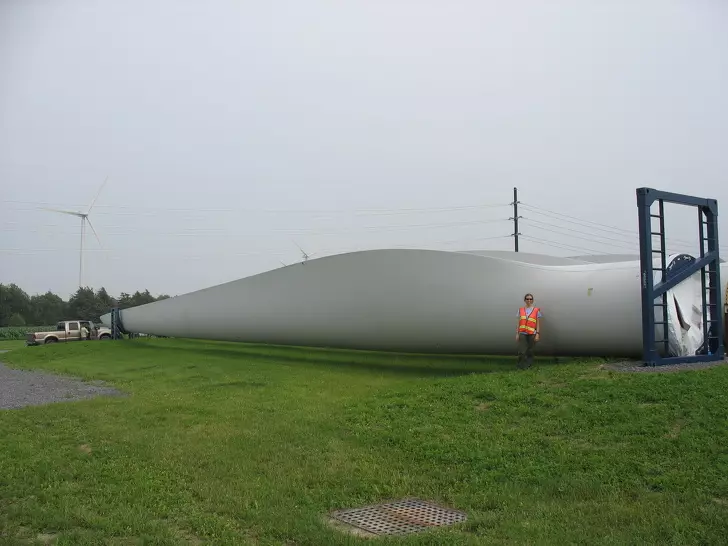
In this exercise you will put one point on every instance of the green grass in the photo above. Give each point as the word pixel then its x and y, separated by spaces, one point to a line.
pixel 227 443
pixel 10 345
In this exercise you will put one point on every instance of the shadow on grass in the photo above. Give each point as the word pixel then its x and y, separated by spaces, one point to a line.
pixel 366 361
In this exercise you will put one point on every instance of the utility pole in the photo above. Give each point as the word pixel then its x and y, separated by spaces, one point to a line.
pixel 515 217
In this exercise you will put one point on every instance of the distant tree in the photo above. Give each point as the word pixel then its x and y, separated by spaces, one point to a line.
pixel 47 309
pixel 13 300
pixel 16 319
pixel 104 300
pixel 83 305
pixel 124 301
pixel 142 298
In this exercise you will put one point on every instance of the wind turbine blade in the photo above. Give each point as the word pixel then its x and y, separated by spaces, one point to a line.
pixel 78 214
pixel 92 229
pixel 97 194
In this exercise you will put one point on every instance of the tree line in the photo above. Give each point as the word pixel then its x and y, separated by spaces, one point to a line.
pixel 17 308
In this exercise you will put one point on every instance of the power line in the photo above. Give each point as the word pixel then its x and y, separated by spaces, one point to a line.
pixel 187 232
pixel 560 245
pixel 623 245
pixel 272 252
pixel 421 246
pixel 540 223
pixel 621 237
pixel 620 232
pixel 362 212
pixel 577 221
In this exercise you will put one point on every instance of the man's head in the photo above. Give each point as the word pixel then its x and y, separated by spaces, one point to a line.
pixel 528 298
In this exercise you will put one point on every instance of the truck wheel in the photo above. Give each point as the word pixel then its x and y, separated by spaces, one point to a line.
pixel 50 340
pixel 105 336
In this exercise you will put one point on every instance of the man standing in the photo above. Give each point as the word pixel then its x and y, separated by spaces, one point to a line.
pixel 528 332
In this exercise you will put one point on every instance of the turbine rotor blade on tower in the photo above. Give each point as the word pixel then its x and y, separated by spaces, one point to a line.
pixel 70 212
pixel 299 248
pixel 97 194
pixel 92 229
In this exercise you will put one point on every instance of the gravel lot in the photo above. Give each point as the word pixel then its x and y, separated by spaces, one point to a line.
pixel 634 366
pixel 20 388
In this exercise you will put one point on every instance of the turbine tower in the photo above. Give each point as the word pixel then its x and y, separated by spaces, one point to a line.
pixel 84 219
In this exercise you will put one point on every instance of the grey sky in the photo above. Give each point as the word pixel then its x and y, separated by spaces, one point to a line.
pixel 208 117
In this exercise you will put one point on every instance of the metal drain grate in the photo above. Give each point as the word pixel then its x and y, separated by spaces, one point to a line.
pixel 399 517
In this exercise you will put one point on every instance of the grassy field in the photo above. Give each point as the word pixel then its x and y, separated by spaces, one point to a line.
pixel 225 443
pixel 6 345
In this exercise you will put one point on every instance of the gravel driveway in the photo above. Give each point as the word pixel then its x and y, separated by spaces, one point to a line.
pixel 633 366
pixel 20 388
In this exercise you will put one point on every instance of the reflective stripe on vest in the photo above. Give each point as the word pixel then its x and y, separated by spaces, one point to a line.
pixel 527 323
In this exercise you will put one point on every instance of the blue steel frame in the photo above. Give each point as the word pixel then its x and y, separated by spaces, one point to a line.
pixel 673 274
pixel 117 327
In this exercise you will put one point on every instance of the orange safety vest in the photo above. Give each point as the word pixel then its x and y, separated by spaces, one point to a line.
pixel 527 323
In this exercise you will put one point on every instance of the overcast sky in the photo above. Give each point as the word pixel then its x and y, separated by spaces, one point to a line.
pixel 233 130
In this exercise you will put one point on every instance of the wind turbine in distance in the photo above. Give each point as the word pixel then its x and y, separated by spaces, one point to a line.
pixel 84 219
pixel 304 254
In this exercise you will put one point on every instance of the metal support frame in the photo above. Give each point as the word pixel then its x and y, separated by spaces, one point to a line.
pixel 117 327
pixel 674 273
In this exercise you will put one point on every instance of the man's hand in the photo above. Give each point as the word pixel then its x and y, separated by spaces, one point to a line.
pixel 538 337
pixel 517 336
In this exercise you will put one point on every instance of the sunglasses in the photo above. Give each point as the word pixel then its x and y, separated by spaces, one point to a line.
pixel 529 299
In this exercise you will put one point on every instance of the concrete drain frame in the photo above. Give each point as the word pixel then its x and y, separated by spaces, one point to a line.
pixel 399 517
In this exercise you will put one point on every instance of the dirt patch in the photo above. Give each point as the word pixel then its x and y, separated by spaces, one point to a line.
pixel 597 372
pixel 553 384
pixel 184 535
pixel 347 529
pixel 187 537
pixel 122 541
pixel 484 406
pixel 26 535
pixel 675 430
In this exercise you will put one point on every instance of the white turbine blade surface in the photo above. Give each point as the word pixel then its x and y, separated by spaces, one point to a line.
pixel 97 194
pixel 92 229
pixel 78 214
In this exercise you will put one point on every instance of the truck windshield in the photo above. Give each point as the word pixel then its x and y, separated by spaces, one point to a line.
pixel 60 326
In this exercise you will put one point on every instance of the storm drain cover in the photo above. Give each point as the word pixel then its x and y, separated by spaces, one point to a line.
pixel 399 517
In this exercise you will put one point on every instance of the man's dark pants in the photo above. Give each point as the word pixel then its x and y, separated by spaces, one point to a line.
pixel 526 343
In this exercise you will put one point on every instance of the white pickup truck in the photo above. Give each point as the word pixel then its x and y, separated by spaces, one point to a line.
pixel 69 330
